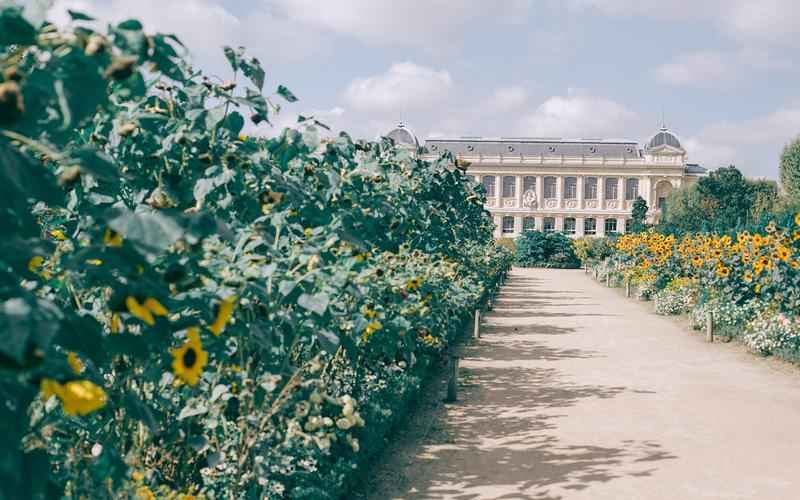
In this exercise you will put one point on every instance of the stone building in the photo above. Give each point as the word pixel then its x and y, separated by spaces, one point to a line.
pixel 578 186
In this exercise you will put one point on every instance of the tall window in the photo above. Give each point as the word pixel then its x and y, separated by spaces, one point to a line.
pixel 550 187
pixel 631 189
pixel 590 188
pixel 508 224
pixel 488 183
pixel 612 188
pixel 611 226
pixel 549 224
pixel 569 225
pixel 570 188
pixel 589 226
pixel 529 224
pixel 529 183
pixel 509 183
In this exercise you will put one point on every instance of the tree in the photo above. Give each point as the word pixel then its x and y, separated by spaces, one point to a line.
pixel 764 198
pixel 638 214
pixel 683 209
pixel 726 197
pixel 790 169
pixel 538 249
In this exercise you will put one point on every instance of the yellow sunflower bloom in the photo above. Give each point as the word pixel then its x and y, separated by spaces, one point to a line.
pixel 748 276
pixel 58 234
pixel 190 358
pixel 413 284
pixel 155 307
pixel 79 397
pixel 112 238
pixel 797 218
pixel 795 265
pixel 74 362
pixel 140 311
pixel 35 263
pixel 224 314
pixel 371 329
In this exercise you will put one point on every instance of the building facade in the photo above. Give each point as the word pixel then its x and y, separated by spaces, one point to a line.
pixel 579 187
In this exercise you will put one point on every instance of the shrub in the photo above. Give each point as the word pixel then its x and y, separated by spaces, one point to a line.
pixel 508 243
pixel 538 249
pixel 771 330
pixel 189 311
pixel 676 298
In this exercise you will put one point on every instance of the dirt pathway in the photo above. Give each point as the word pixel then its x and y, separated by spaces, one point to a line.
pixel 575 392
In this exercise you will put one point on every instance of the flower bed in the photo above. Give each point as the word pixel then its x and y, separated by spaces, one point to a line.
pixel 749 282
pixel 189 311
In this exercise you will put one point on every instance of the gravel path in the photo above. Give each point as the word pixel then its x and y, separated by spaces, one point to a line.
pixel 575 392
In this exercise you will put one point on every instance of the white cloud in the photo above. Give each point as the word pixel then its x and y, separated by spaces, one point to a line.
pixel 699 69
pixel 579 114
pixel 765 21
pixel 506 99
pixel 754 144
pixel 407 22
pixel 403 87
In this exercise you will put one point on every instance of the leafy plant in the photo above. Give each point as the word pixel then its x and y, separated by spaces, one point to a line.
pixel 538 249
pixel 187 310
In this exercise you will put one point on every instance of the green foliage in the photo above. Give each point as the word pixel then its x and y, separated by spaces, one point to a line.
pixel 723 200
pixel 508 243
pixel 221 315
pixel 590 249
pixel 538 249
pixel 790 169
pixel 638 214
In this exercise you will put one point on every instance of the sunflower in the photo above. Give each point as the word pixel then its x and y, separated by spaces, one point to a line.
pixel 413 284
pixel 757 239
pixel 74 362
pixel 79 397
pixel 748 276
pixel 797 218
pixel 784 253
pixel 223 316
pixel 112 238
pixel 723 272
pixel 190 358
pixel 795 265
pixel 697 261
pixel 371 328
pixel 58 234
pixel 140 311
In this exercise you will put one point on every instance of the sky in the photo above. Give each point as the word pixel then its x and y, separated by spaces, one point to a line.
pixel 723 74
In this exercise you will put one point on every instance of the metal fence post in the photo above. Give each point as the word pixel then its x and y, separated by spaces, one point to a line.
pixel 627 288
pixel 477 333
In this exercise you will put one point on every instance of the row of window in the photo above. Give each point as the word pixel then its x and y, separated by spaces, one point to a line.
pixel 549 225
pixel 550 187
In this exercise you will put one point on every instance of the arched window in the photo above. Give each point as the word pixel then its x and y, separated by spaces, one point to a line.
pixel 529 183
pixel 569 225
pixel 612 188
pixel 549 224
pixel 631 189
pixel 508 224
pixel 550 187
pixel 570 188
pixel 590 188
pixel 488 183
pixel 589 226
pixel 509 185
pixel 529 224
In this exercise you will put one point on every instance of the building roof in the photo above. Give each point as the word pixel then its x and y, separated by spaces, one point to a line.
pixel 664 138
pixel 534 146
pixel 694 168
pixel 402 136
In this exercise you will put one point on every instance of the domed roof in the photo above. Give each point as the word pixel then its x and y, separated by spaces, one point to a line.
pixel 403 137
pixel 664 138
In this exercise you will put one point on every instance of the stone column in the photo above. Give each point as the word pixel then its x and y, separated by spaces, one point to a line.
pixel 540 193
pixel 498 191
pixel 559 192
pixel 621 225
pixel 621 192
pixel 498 226
pixel 517 225
pixel 518 191
pixel 600 226
pixel 601 193
pixel 578 226
pixel 579 194
pixel 559 222
pixel 539 223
